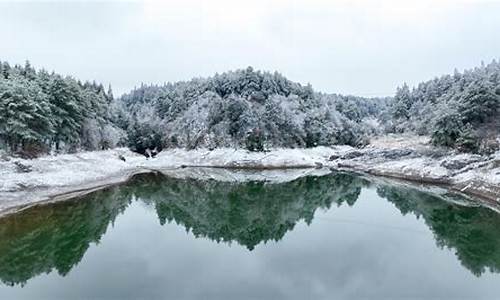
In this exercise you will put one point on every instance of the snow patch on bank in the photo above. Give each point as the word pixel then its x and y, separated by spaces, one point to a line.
pixel 63 170
pixel 419 167
pixel 232 158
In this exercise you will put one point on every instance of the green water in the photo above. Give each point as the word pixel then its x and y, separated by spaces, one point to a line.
pixel 331 237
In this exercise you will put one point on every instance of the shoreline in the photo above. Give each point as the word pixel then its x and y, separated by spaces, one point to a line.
pixel 430 186
pixel 57 178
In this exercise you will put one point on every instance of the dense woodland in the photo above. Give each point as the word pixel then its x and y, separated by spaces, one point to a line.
pixel 42 112
pixel 246 108
pixel 460 110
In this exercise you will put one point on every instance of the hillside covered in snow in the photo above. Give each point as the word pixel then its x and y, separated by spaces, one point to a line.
pixel 461 110
pixel 42 112
pixel 246 109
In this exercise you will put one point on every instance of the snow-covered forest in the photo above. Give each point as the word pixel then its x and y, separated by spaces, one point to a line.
pixel 246 108
pixel 42 112
pixel 460 110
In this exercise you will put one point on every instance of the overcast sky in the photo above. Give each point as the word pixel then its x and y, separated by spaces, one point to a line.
pixel 364 48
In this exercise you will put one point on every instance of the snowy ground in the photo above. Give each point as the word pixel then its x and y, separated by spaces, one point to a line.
pixel 411 158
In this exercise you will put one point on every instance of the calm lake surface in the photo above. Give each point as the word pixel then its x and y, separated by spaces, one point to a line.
pixel 331 237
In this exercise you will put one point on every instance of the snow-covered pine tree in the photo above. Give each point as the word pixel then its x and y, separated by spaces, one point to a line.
pixel 25 120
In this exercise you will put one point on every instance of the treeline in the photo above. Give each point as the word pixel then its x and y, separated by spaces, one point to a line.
pixel 42 112
pixel 460 110
pixel 245 108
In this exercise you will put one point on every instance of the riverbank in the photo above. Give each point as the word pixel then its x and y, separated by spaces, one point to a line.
pixel 410 158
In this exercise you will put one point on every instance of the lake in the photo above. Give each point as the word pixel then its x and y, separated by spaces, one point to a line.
pixel 337 236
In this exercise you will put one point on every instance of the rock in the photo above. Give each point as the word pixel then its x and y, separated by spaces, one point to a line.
pixel 489 146
pixel 461 161
pixel 352 154
pixel 147 153
pixel 333 157
pixel 154 152
pixel 495 164
pixel 22 168
pixel 394 153
pixel 121 157
pixel 151 153
pixel 4 157
pixel 435 153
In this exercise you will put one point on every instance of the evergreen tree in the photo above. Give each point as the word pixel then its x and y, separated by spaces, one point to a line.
pixel 479 102
pixel 25 119
pixel 6 70
pixel 447 129
pixel 468 140
pixel 109 94
pixel 67 113
pixel 402 103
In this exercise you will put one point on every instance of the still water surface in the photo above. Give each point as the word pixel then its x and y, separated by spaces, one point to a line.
pixel 331 237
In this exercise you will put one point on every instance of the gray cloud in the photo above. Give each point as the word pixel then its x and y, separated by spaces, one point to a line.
pixel 354 47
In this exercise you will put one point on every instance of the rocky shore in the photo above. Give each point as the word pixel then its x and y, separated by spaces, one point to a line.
pixel 27 182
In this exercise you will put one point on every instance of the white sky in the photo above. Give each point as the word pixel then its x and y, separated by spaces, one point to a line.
pixel 364 48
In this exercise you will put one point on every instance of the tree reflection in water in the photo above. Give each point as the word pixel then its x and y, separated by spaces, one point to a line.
pixel 471 231
pixel 56 236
